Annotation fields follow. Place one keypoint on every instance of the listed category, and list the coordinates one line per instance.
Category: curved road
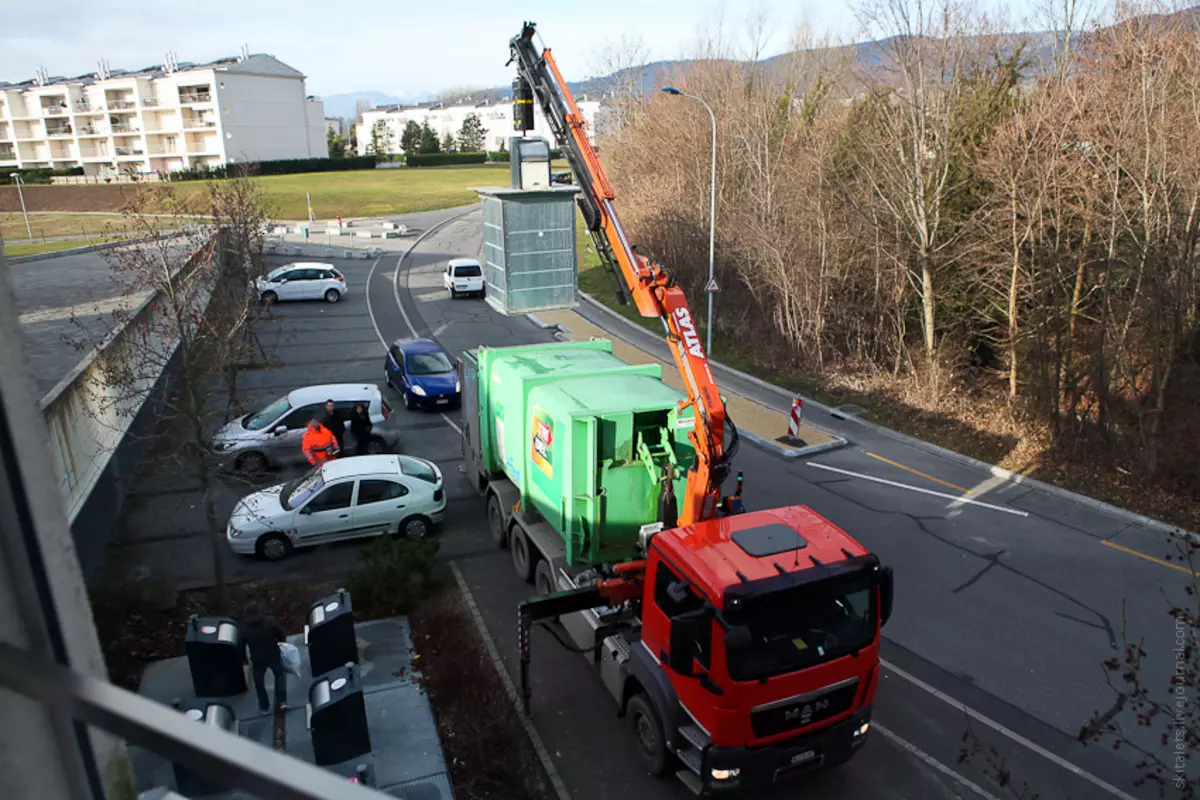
(1008, 599)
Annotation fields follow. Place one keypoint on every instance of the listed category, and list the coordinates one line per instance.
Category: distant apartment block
(161, 119)
(497, 121)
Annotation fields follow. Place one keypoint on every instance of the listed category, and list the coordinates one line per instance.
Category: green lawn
(15, 250)
(12, 226)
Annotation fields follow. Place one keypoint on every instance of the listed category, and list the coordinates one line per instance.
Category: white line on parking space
(957, 500)
(1003, 731)
(929, 760)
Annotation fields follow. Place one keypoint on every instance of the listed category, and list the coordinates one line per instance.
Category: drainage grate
(848, 410)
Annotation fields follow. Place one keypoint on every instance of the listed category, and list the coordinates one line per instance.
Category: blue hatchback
(421, 371)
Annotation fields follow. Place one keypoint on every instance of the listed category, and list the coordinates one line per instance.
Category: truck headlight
(418, 391)
(862, 730)
(725, 774)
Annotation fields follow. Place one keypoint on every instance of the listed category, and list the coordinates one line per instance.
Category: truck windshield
(796, 628)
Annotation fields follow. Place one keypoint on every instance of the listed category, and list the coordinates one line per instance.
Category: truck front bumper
(759, 767)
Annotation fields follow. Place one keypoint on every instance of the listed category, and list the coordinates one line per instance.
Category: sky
(400, 48)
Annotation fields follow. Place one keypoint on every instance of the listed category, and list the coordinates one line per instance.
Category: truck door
(673, 598)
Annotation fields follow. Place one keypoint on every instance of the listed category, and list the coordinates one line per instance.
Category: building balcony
(130, 152)
(121, 105)
(199, 124)
(8, 155)
(91, 130)
(58, 133)
(192, 98)
(53, 111)
(125, 129)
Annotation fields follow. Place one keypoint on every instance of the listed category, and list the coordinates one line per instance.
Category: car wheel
(252, 463)
(647, 734)
(416, 527)
(274, 547)
(376, 446)
(495, 518)
(522, 553)
(409, 402)
(332, 296)
(543, 578)
(270, 298)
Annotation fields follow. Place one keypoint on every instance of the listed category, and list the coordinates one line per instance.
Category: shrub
(442, 159)
(499, 157)
(40, 175)
(284, 166)
(393, 574)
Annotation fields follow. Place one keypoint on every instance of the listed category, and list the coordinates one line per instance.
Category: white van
(463, 276)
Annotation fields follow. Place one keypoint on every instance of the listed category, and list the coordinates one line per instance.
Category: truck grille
(803, 710)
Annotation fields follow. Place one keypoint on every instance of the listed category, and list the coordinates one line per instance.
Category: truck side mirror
(886, 592)
(686, 630)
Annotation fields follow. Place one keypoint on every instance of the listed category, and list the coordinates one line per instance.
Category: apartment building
(497, 121)
(161, 119)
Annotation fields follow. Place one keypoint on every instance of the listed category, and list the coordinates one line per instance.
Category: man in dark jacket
(261, 636)
(360, 426)
(329, 419)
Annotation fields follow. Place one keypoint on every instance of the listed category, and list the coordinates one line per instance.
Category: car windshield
(418, 469)
(261, 419)
(296, 492)
(797, 628)
(427, 363)
(470, 271)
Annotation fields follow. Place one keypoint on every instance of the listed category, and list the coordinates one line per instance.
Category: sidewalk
(753, 419)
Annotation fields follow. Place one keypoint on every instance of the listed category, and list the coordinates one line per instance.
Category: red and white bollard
(797, 415)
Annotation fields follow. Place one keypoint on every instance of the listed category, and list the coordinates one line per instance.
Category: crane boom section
(652, 286)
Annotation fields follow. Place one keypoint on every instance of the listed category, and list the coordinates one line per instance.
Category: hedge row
(38, 175)
(285, 166)
(442, 159)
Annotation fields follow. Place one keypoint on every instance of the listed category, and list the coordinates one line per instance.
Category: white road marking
(957, 500)
(929, 760)
(1006, 732)
(371, 313)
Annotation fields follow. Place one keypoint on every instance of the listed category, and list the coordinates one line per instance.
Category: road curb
(535, 738)
(77, 251)
(794, 452)
(998, 472)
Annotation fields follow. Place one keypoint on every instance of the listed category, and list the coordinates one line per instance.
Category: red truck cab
(759, 654)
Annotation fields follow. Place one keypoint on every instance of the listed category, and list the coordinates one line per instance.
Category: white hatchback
(303, 280)
(463, 276)
(346, 498)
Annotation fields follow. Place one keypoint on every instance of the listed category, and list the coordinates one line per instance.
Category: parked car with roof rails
(302, 280)
(271, 436)
(422, 371)
(347, 498)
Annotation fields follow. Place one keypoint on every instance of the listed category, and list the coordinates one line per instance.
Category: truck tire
(648, 736)
(543, 578)
(495, 518)
(523, 556)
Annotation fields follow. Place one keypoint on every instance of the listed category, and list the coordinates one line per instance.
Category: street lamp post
(20, 194)
(712, 212)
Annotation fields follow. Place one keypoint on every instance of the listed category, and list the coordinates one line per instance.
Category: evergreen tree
(471, 134)
(429, 140)
(410, 139)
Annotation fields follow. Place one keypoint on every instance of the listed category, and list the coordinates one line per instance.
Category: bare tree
(623, 62)
(186, 322)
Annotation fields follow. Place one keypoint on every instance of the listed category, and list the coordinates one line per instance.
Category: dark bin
(337, 717)
(329, 633)
(215, 715)
(214, 652)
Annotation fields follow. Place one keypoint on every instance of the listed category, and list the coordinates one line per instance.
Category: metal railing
(124, 129)
(235, 761)
(62, 131)
(119, 105)
(54, 110)
(195, 97)
(82, 106)
(149, 102)
(88, 130)
(194, 124)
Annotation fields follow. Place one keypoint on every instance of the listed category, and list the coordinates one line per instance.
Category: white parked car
(346, 498)
(302, 280)
(463, 276)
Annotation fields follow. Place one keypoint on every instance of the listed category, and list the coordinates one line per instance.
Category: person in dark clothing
(261, 636)
(360, 426)
(329, 419)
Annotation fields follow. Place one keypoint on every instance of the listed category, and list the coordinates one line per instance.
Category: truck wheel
(543, 578)
(522, 554)
(495, 517)
(647, 734)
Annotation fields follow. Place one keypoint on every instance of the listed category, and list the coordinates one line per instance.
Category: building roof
(255, 64)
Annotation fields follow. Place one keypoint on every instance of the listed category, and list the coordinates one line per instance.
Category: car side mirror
(280, 430)
(887, 588)
(686, 629)
(737, 638)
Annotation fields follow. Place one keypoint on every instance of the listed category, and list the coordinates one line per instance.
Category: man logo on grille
(805, 714)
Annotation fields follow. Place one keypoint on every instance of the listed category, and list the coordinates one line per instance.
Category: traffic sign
(713, 287)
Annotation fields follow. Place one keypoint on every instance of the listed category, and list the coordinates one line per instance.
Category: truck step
(695, 735)
(692, 782)
(690, 758)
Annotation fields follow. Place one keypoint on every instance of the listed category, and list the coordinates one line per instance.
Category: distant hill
(342, 105)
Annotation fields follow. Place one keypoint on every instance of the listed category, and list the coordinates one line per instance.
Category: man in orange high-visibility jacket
(318, 443)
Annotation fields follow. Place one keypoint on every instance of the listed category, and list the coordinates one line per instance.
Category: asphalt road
(1008, 601)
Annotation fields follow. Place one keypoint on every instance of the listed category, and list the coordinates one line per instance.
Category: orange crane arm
(652, 286)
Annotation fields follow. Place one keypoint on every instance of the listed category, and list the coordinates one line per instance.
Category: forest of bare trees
(969, 222)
